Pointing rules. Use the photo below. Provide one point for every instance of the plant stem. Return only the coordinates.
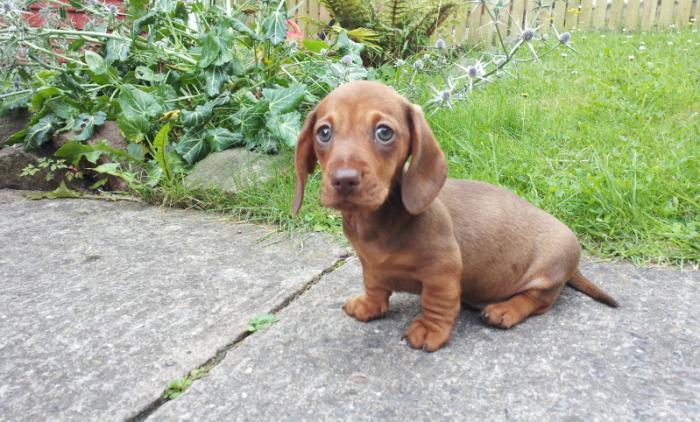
(53, 53)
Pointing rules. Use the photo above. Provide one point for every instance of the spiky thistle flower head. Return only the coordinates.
(6, 7)
(440, 44)
(418, 65)
(346, 60)
(565, 38)
(528, 34)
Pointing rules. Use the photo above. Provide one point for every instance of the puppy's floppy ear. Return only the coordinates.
(304, 160)
(427, 171)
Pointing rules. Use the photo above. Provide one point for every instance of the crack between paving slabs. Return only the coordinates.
(211, 363)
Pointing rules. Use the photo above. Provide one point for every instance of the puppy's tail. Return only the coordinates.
(586, 286)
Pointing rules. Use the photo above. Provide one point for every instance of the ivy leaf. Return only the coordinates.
(117, 50)
(210, 51)
(73, 152)
(214, 77)
(95, 62)
(42, 95)
(147, 19)
(192, 148)
(285, 127)
(284, 100)
(61, 191)
(216, 48)
(133, 128)
(241, 27)
(15, 138)
(165, 6)
(221, 138)
(249, 119)
(137, 104)
(198, 116)
(347, 46)
(61, 109)
(146, 74)
(263, 141)
(85, 123)
(40, 132)
(275, 26)
(154, 173)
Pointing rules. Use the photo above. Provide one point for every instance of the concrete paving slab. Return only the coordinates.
(103, 304)
(580, 361)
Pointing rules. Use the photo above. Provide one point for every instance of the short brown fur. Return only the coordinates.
(450, 241)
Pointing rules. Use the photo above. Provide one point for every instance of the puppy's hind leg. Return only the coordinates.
(534, 301)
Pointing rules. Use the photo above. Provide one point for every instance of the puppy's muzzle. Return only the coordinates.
(345, 181)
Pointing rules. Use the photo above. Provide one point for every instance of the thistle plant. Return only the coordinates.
(462, 72)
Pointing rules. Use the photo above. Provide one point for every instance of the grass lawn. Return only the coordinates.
(607, 140)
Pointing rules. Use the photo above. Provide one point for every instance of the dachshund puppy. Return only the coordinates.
(451, 241)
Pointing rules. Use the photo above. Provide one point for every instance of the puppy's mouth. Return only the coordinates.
(356, 201)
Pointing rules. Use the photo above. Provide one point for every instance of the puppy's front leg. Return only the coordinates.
(440, 300)
(371, 305)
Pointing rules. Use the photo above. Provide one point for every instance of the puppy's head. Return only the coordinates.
(362, 134)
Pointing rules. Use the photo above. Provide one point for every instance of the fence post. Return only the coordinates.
(584, 19)
(632, 15)
(683, 14)
(474, 19)
(665, 13)
(559, 13)
(601, 7)
(649, 14)
(615, 14)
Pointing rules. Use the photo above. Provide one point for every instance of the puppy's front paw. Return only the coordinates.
(427, 335)
(363, 308)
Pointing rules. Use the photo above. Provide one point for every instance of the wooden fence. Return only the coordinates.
(473, 26)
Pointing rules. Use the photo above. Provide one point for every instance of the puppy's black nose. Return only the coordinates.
(345, 181)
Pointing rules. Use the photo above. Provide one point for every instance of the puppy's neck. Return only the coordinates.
(391, 217)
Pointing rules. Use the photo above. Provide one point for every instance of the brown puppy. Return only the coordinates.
(448, 241)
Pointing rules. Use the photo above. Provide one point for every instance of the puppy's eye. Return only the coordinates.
(384, 134)
(323, 134)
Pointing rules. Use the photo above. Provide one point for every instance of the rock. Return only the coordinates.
(109, 132)
(231, 170)
(12, 160)
(15, 120)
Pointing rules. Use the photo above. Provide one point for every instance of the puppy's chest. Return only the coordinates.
(383, 259)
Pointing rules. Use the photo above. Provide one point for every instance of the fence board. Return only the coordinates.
(572, 14)
(683, 13)
(648, 14)
(475, 26)
(544, 19)
(461, 30)
(632, 15)
(599, 10)
(474, 19)
(518, 12)
(485, 29)
(559, 12)
(615, 14)
(584, 19)
(665, 13)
